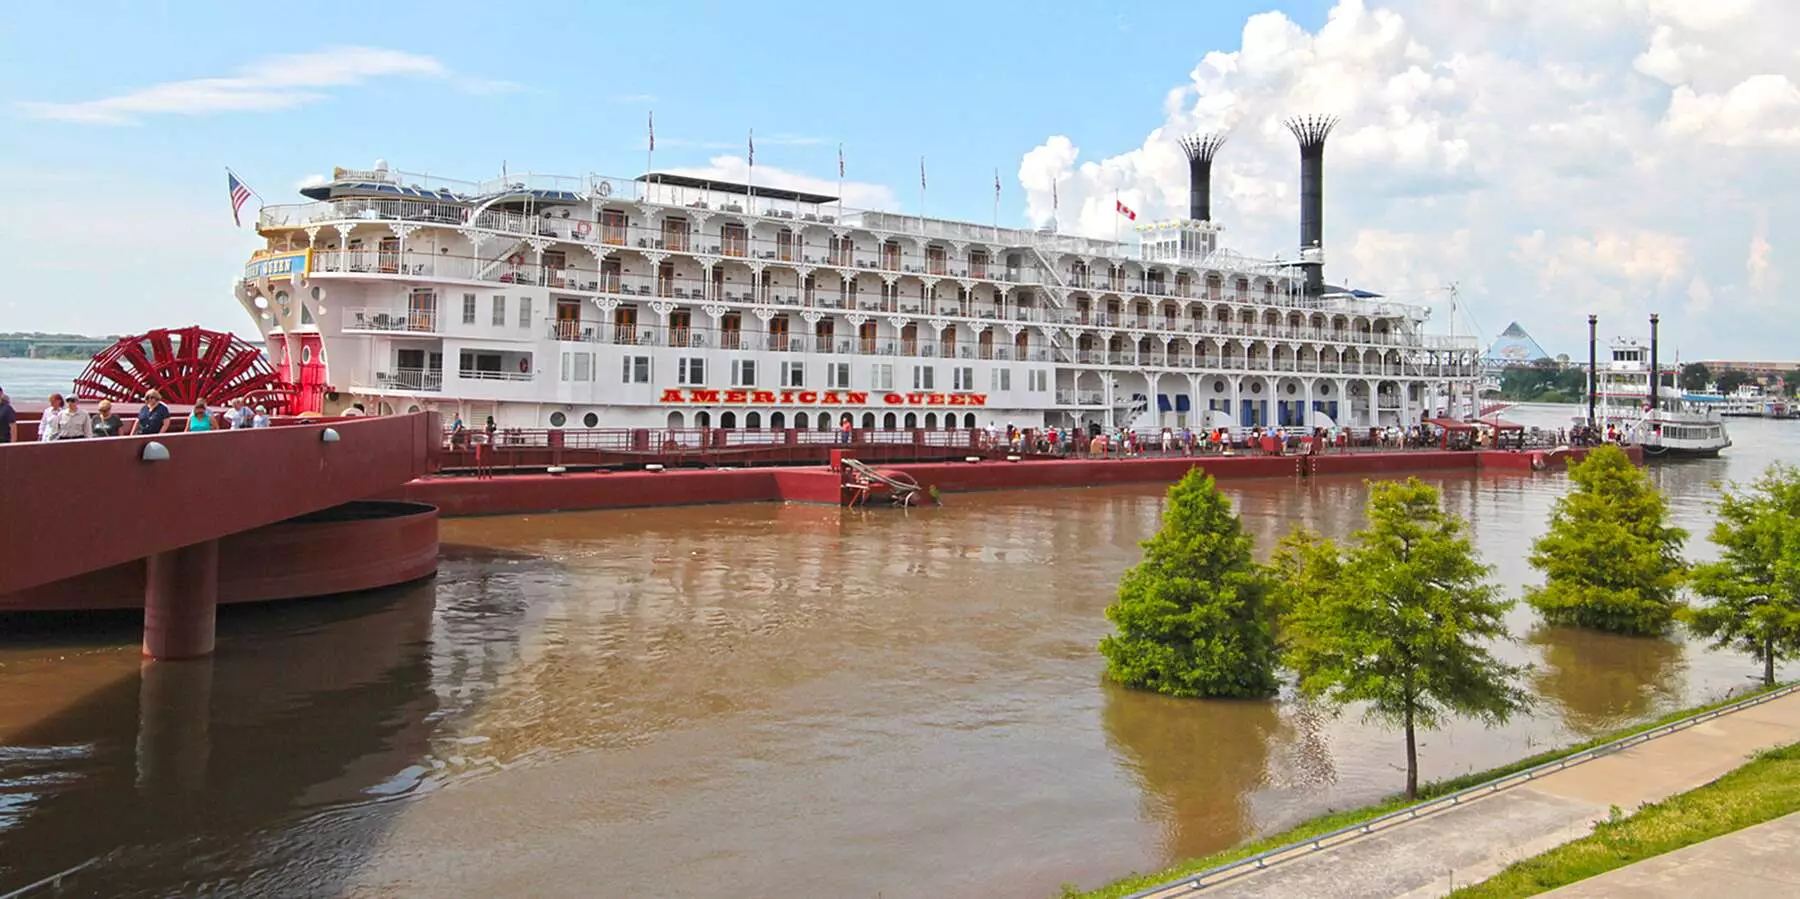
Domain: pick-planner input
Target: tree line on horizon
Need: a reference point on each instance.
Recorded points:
(1400, 617)
(1549, 381)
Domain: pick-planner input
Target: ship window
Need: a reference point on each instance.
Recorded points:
(305, 355)
(636, 370)
(468, 309)
(499, 310)
(869, 419)
(969, 421)
(557, 419)
(793, 374)
(728, 420)
(306, 316)
(691, 371)
(590, 420)
(753, 421)
(743, 373)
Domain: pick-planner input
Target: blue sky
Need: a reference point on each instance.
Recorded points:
(1552, 159)
(552, 87)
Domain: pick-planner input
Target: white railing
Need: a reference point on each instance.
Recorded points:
(390, 319)
(410, 379)
(469, 374)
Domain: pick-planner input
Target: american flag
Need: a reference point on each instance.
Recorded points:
(921, 173)
(752, 155)
(239, 196)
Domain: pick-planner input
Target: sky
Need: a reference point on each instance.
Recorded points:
(1548, 158)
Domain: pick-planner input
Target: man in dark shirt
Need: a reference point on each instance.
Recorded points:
(153, 414)
(7, 418)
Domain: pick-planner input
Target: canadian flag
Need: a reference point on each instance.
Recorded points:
(1125, 210)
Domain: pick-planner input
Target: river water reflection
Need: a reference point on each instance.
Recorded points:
(762, 700)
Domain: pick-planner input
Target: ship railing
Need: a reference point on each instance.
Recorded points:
(390, 319)
(745, 429)
(471, 374)
(428, 380)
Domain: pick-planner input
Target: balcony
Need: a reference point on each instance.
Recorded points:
(414, 379)
(379, 320)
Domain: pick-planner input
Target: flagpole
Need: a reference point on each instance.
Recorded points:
(750, 178)
(996, 199)
(247, 186)
(650, 154)
(921, 195)
(1116, 214)
(840, 197)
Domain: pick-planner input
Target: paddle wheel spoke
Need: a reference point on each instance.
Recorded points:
(185, 365)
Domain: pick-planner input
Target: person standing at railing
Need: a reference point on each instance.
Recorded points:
(74, 424)
(108, 423)
(9, 418)
(261, 418)
(844, 429)
(201, 419)
(50, 422)
(153, 415)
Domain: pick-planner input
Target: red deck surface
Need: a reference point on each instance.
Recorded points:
(524, 494)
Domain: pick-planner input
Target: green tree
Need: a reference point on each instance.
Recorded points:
(1193, 617)
(1611, 561)
(1399, 619)
(1790, 382)
(1695, 376)
(1754, 587)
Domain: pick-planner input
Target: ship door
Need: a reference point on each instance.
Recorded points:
(312, 375)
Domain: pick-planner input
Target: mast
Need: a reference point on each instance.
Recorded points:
(1593, 369)
(1655, 376)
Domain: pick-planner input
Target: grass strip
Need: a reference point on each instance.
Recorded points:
(1334, 820)
(1764, 789)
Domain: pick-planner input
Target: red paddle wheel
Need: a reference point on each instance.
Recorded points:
(184, 365)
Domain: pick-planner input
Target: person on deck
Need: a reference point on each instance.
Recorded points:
(154, 415)
(261, 418)
(8, 417)
(50, 422)
(201, 420)
(75, 424)
(108, 424)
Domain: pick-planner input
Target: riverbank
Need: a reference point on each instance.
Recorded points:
(1337, 820)
(521, 494)
(1763, 790)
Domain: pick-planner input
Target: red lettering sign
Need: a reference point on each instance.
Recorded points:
(671, 395)
(703, 396)
(857, 398)
(807, 397)
(762, 397)
(737, 396)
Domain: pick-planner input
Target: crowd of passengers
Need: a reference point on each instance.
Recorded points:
(64, 419)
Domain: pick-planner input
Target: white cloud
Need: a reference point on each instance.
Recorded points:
(856, 194)
(280, 82)
(1551, 158)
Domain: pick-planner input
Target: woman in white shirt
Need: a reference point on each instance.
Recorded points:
(75, 425)
(50, 423)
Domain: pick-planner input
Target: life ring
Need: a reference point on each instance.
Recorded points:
(524, 366)
(583, 228)
(515, 259)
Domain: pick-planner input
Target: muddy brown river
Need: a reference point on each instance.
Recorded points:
(755, 700)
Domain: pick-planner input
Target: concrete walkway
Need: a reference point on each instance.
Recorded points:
(1753, 863)
(1430, 855)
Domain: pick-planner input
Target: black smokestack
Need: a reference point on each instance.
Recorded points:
(1311, 131)
(1201, 148)
(1655, 373)
(1593, 370)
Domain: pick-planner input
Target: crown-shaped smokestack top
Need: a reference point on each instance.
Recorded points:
(1200, 149)
(1311, 131)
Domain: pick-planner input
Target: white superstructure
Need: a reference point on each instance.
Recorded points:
(670, 302)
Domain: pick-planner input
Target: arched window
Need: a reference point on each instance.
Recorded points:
(800, 421)
(676, 420)
(777, 422)
(969, 421)
(702, 419)
(869, 419)
(753, 421)
(888, 421)
(912, 419)
(727, 419)
(931, 421)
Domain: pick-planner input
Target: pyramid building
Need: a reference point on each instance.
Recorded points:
(1514, 347)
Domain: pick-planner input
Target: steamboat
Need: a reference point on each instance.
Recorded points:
(666, 301)
(1638, 401)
